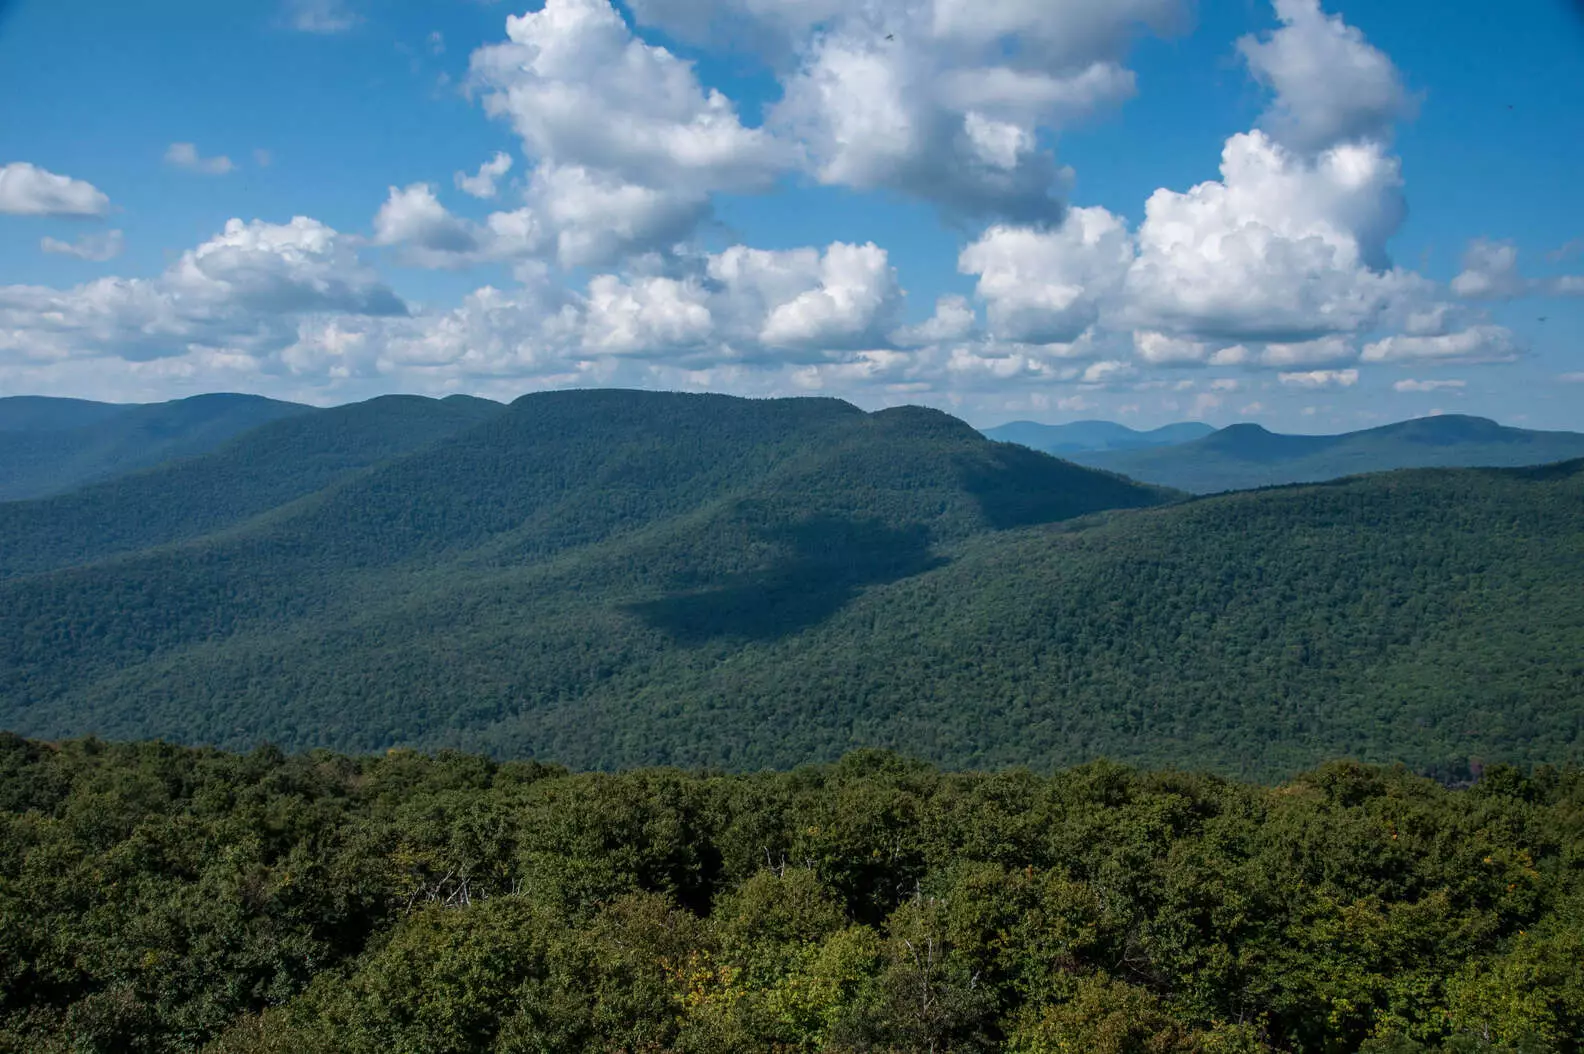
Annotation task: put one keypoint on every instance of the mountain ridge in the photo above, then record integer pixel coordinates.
(65, 447)
(608, 578)
(1247, 455)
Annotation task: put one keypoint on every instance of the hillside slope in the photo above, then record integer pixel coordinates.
(761, 517)
(52, 446)
(1244, 456)
(611, 578)
(255, 472)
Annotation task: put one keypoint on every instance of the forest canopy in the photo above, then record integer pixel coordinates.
(157, 898)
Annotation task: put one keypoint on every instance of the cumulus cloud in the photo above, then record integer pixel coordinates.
(1490, 272)
(186, 156)
(95, 247)
(929, 99)
(648, 315)
(482, 183)
(1280, 249)
(1330, 85)
(629, 145)
(1428, 386)
(242, 289)
(1046, 286)
(27, 190)
(1477, 344)
(954, 319)
(807, 301)
(1313, 379)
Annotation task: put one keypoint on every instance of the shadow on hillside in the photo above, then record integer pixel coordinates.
(827, 561)
(1019, 487)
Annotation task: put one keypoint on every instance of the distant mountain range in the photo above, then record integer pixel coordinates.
(1081, 436)
(608, 578)
(49, 446)
(1196, 458)
(1244, 456)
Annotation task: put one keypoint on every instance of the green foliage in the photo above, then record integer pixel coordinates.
(161, 899)
(607, 579)
(50, 446)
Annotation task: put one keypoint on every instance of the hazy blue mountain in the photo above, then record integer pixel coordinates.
(57, 445)
(265, 468)
(1094, 435)
(40, 413)
(1243, 456)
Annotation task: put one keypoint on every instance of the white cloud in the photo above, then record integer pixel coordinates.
(649, 315)
(482, 183)
(1490, 272)
(95, 247)
(1107, 371)
(1331, 85)
(629, 145)
(1320, 379)
(320, 16)
(1046, 286)
(928, 99)
(1428, 386)
(1571, 378)
(845, 297)
(1159, 349)
(1475, 345)
(597, 218)
(1281, 249)
(413, 217)
(186, 156)
(1327, 351)
(27, 190)
(242, 290)
(954, 319)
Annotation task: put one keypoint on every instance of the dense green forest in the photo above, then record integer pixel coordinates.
(50, 446)
(609, 579)
(156, 898)
(1245, 456)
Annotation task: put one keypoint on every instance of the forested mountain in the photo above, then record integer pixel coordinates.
(50, 446)
(41, 413)
(1243, 456)
(158, 899)
(617, 578)
(261, 470)
(1079, 436)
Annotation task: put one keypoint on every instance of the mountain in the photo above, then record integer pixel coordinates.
(1243, 456)
(39, 413)
(613, 578)
(50, 446)
(1081, 436)
(265, 468)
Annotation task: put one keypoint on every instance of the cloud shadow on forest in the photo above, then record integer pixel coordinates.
(827, 562)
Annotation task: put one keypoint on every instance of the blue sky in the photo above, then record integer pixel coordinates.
(1145, 210)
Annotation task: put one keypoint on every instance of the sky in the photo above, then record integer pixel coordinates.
(1317, 218)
